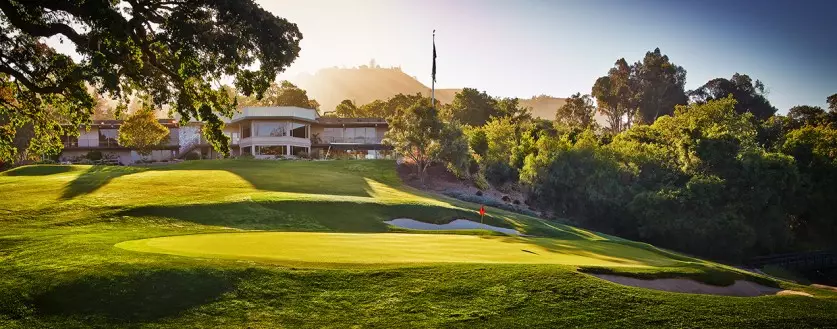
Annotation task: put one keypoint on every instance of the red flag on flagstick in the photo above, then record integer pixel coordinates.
(482, 210)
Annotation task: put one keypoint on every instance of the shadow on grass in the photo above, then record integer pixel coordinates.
(142, 296)
(94, 178)
(308, 215)
(41, 170)
(279, 176)
(702, 273)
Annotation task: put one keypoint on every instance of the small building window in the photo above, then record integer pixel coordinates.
(271, 129)
(299, 130)
(245, 131)
(298, 151)
(272, 150)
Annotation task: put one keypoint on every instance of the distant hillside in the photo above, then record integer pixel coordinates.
(363, 85)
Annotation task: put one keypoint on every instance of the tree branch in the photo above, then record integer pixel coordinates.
(39, 30)
(60, 87)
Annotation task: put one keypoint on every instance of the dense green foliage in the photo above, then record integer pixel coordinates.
(379, 108)
(175, 51)
(640, 93)
(283, 93)
(141, 131)
(751, 96)
(420, 135)
(578, 111)
(60, 268)
(698, 181)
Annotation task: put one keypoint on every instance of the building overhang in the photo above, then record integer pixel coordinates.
(275, 113)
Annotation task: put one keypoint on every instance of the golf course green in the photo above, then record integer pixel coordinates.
(386, 248)
(266, 244)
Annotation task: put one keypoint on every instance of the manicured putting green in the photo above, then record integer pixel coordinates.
(396, 248)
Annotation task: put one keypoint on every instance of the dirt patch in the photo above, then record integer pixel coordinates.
(440, 180)
(741, 288)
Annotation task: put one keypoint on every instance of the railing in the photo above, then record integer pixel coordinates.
(95, 143)
(91, 143)
(351, 140)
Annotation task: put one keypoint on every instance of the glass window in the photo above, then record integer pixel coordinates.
(331, 135)
(272, 150)
(245, 131)
(107, 137)
(360, 133)
(296, 150)
(271, 129)
(299, 130)
(333, 132)
(246, 150)
(70, 141)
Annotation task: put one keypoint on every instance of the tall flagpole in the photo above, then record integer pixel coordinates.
(433, 78)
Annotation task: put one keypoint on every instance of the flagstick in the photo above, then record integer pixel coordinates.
(433, 76)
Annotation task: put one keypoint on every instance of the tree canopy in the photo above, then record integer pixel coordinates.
(141, 131)
(284, 93)
(471, 107)
(641, 92)
(578, 111)
(416, 135)
(750, 95)
(175, 51)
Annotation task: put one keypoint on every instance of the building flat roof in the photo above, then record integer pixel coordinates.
(350, 121)
(171, 123)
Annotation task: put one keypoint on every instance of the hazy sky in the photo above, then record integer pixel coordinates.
(526, 48)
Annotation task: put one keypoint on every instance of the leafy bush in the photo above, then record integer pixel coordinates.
(246, 156)
(479, 181)
(500, 173)
(94, 155)
(192, 156)
(303, 155)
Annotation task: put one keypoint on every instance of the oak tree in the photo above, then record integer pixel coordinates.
(176, 51)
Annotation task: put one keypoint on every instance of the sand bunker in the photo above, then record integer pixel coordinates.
(741, 288)
(458, 224)
(822, 286)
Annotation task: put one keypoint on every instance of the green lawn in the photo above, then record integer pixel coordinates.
(315, 249)
(323, 263)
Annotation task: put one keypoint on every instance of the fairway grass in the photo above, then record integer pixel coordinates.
(319, 249)
(290, 244)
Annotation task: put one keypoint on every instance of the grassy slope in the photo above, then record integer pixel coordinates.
(58, 266)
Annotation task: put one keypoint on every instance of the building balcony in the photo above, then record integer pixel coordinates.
(87, 144)
(348, 140)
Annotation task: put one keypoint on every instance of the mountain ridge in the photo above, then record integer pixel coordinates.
(364, 84)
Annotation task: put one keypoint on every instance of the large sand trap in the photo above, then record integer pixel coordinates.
(741, 288)
(458, 224)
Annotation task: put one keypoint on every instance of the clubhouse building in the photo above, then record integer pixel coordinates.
(263, 132)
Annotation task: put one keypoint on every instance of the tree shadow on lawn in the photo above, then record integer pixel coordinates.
(291, 215)
(263, 175)
(141, 296)
(41, 170)
(94, 178)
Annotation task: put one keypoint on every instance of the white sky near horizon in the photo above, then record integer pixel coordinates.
(527, 48)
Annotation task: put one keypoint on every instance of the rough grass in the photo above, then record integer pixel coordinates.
(59, 267)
